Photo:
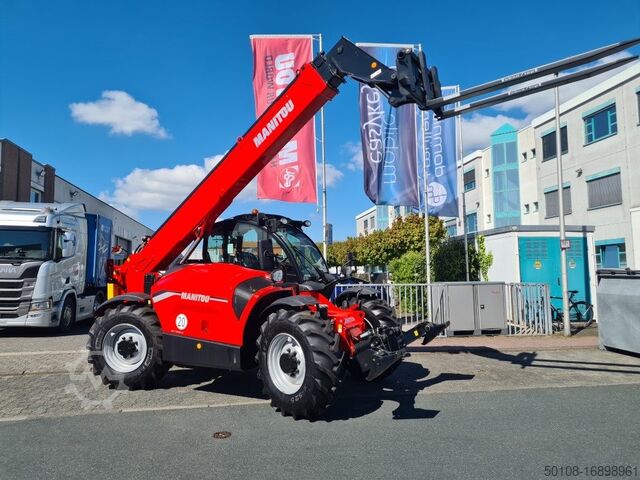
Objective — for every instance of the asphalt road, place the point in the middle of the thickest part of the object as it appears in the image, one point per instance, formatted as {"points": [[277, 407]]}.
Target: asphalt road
{"points": [[471, 414]]}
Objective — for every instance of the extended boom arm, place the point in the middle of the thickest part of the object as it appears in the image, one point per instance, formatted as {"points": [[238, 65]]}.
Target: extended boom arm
{"points": [[317, 83]]}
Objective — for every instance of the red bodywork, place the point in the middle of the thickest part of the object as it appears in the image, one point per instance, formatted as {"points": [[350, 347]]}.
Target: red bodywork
{"points": [[203, 295]]}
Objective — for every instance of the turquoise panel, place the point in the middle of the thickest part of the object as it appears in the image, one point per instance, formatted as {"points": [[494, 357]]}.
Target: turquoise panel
{"points": [[540, 263]]}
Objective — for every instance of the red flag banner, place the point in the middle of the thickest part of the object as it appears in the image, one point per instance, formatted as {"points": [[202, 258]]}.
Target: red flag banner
{"points": [[291, 175]]}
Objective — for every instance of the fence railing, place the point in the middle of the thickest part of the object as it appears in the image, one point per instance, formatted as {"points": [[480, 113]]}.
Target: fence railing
{"points": [[527, 307]]}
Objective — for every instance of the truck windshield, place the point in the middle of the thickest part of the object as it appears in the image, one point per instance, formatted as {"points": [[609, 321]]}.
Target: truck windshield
{"points": [[307, 254], [25, 244]]}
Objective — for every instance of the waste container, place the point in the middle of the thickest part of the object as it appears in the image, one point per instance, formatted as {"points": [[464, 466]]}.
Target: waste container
{"points": [[618, 306]]}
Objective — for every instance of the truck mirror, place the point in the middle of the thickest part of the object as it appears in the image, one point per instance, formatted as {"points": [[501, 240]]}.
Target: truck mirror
{"points": [[68, 244]]}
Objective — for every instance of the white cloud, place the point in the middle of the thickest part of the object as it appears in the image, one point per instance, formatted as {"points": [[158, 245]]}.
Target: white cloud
{"points": [[353, 150], [163, 189], [333, 174], [122, 113], [477, 129]]}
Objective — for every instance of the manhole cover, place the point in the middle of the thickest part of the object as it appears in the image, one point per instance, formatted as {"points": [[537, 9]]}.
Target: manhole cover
{"points": [[220, 435]]}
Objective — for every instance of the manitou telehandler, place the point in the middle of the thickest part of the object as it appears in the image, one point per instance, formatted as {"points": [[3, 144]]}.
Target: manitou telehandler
{"points": [[254, 290]]}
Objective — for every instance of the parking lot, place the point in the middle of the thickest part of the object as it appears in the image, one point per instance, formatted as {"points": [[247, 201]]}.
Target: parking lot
{"points": [[457, 412]]}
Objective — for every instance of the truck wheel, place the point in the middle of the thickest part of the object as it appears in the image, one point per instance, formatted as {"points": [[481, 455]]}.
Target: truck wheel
{"points": [[125, 348], [98, 300], [377, 313], [298, 363], [67, 314]]}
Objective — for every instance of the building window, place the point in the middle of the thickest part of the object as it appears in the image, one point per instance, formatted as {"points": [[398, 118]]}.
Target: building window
{"points": [[488, 218], [638, 102], [506, 183], [533, 153], [535, 206], [451, 230], [486, 173], [35, 196], [372, 222], [611, 255], [366, 224], [549, 144], [527, 208], [601, 124], [524, 156], [604, 191], [551, 202], [470, 180], [472, 223]]}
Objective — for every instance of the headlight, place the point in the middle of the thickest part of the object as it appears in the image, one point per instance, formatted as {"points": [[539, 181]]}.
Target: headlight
{"points": [[43, 305]]}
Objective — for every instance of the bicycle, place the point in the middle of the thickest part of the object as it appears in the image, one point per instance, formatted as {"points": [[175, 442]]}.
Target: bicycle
{"points": [[579, 311]]}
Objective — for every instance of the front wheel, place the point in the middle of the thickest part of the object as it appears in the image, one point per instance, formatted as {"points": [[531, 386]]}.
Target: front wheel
{"points": [[298, 363], [67, 315], [125, 347]]}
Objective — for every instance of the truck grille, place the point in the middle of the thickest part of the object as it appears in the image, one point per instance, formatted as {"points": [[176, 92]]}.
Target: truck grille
{"points": [[15, 297]]}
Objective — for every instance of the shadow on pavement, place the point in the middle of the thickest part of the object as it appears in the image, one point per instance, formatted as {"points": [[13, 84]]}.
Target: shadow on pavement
{"points": [[530, 359], [80, 328], [354, 399], [357, 399]]}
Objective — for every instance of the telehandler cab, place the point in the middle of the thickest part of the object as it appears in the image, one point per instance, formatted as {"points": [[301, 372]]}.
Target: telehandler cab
{"points": [[254, 290]]}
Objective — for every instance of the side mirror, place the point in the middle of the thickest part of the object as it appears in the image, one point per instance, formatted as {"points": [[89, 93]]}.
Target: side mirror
{"points": [[68, 244], [265, 254], [277, 275]]}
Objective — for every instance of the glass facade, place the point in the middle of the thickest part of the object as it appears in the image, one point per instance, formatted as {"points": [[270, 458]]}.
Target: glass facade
{"points": [[472, 222], [506, 178]]}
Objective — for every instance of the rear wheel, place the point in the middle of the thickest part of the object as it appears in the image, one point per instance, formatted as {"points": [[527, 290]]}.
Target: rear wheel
{"points": [[125, 347], [378, 316], [298, 362]]}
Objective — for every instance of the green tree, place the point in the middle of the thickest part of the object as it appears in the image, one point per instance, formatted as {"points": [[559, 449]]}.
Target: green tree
{"points": [[409, 268], [485, 259], [449, 262]]}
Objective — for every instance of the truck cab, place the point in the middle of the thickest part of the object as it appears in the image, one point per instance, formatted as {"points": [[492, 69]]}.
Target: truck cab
{"points": [[44, 279]]}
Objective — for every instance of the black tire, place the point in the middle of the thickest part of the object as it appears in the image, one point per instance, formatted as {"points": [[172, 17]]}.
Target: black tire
{"points": [[97, 301], [320, 345], [377, 313], [581, 312], [152, 369], [67, 314]]}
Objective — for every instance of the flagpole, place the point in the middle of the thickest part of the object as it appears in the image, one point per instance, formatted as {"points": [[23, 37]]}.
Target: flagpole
{"points": [[324, 173], [464, 198]]}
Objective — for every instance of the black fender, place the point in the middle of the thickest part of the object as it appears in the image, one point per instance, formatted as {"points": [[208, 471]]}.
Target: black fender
{"points": [[137, 298], [360, 292], [295, 302]]}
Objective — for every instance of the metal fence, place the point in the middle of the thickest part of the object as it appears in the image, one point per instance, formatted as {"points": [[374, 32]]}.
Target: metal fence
{"points": [[528, 309], [527, 306]]}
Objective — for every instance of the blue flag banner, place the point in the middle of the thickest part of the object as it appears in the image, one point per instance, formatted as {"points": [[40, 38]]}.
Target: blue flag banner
{"points": [[440, 144], [389, 142]]}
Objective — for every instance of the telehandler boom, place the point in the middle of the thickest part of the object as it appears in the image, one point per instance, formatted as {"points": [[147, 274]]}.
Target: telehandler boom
{"points": [[254, 290]]}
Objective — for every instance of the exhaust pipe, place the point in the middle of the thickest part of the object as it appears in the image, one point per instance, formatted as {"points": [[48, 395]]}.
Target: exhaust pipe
{"points": [[427, 330]]}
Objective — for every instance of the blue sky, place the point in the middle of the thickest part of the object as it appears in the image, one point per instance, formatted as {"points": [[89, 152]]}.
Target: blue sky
{"points": [[181, 73]]}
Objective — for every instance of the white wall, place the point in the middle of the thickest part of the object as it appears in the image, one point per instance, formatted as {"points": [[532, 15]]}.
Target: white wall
{"points": [[506, 260]]}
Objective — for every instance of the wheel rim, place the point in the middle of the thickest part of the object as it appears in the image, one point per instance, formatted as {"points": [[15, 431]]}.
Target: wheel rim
{"points": [[286, 363], [124, 348]]}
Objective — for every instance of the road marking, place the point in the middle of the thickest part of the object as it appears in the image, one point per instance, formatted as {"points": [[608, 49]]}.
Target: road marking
{"points": [[15, 419]]}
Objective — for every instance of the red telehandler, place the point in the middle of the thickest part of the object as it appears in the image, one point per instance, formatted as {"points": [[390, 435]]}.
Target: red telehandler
{"points": [[254, 290]]}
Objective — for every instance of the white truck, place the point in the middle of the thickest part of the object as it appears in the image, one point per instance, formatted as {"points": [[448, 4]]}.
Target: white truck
{"points": [[53, 260]]}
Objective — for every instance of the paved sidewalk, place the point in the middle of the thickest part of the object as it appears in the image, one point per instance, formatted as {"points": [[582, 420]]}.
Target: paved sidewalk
{"points": [[587, 338]]}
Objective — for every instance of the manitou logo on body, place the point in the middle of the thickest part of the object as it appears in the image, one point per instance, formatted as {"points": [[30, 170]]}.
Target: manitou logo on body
{"points": [[274, 123], [195, 297]]}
